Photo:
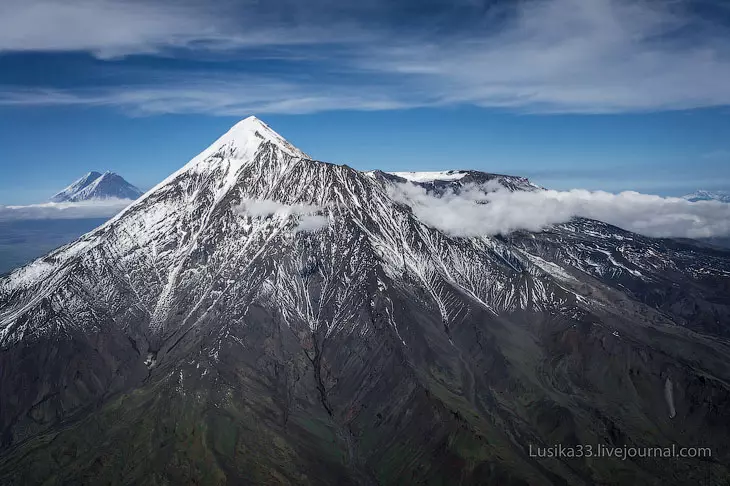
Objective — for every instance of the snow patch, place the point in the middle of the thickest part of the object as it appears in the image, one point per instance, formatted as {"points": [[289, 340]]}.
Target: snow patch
{"points": [[30, 273], [549, 267], [444, 175]]}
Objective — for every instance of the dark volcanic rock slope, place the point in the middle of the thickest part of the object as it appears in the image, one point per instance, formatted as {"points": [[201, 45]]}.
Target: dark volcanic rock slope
{"points": [[263, 318]]}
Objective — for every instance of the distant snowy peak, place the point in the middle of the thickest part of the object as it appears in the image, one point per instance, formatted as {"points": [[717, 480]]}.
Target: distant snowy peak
{"points": [[721, 196], [77, 186], [96, 186], [108, 186]]}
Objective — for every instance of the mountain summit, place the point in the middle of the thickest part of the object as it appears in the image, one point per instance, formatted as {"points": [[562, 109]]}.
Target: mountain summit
{"points": [[261, 317], [95, 186]]}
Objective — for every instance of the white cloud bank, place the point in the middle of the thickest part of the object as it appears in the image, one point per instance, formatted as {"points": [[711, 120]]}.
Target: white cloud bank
{"points": [[473, 213], [69, 210]]}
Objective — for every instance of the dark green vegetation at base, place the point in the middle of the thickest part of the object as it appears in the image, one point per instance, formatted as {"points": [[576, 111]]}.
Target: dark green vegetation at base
{"points": [[250, 412]]}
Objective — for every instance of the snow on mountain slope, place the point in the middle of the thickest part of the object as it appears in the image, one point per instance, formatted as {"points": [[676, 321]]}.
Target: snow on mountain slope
{"points": [[70, 192], [721, 196], [108, 186], [213, 294], [97, 186], [156, 239], [446, 175], [454, 179]]}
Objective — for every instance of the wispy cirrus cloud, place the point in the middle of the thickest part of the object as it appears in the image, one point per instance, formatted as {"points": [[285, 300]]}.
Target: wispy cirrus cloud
{"points": [[105, 28], [233, 96], [110, 29], [594, 56], [538, 56]]}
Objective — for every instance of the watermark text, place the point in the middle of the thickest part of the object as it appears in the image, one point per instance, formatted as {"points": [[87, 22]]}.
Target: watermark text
{"points": [[561, 451]]}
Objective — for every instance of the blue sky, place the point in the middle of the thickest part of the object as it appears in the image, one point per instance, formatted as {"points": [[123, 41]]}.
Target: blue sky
{"points": [[596, 94]]}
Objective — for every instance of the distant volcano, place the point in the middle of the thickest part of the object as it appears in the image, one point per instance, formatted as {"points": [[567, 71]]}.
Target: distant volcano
{"points": [[95, 185], [722, 196]]}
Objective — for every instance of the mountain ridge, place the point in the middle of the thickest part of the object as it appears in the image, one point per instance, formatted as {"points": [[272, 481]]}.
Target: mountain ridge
{"points": [[702, 195]]}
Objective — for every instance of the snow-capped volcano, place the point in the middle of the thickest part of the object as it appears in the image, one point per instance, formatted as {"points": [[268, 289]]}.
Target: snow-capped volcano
{"points": [[96, 186], [262, 317]]}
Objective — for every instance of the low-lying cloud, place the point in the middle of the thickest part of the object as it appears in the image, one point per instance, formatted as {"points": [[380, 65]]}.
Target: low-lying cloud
{"points": [[474, 213], [67, 210], [261, 208], [306, 214], [312, 223]]}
